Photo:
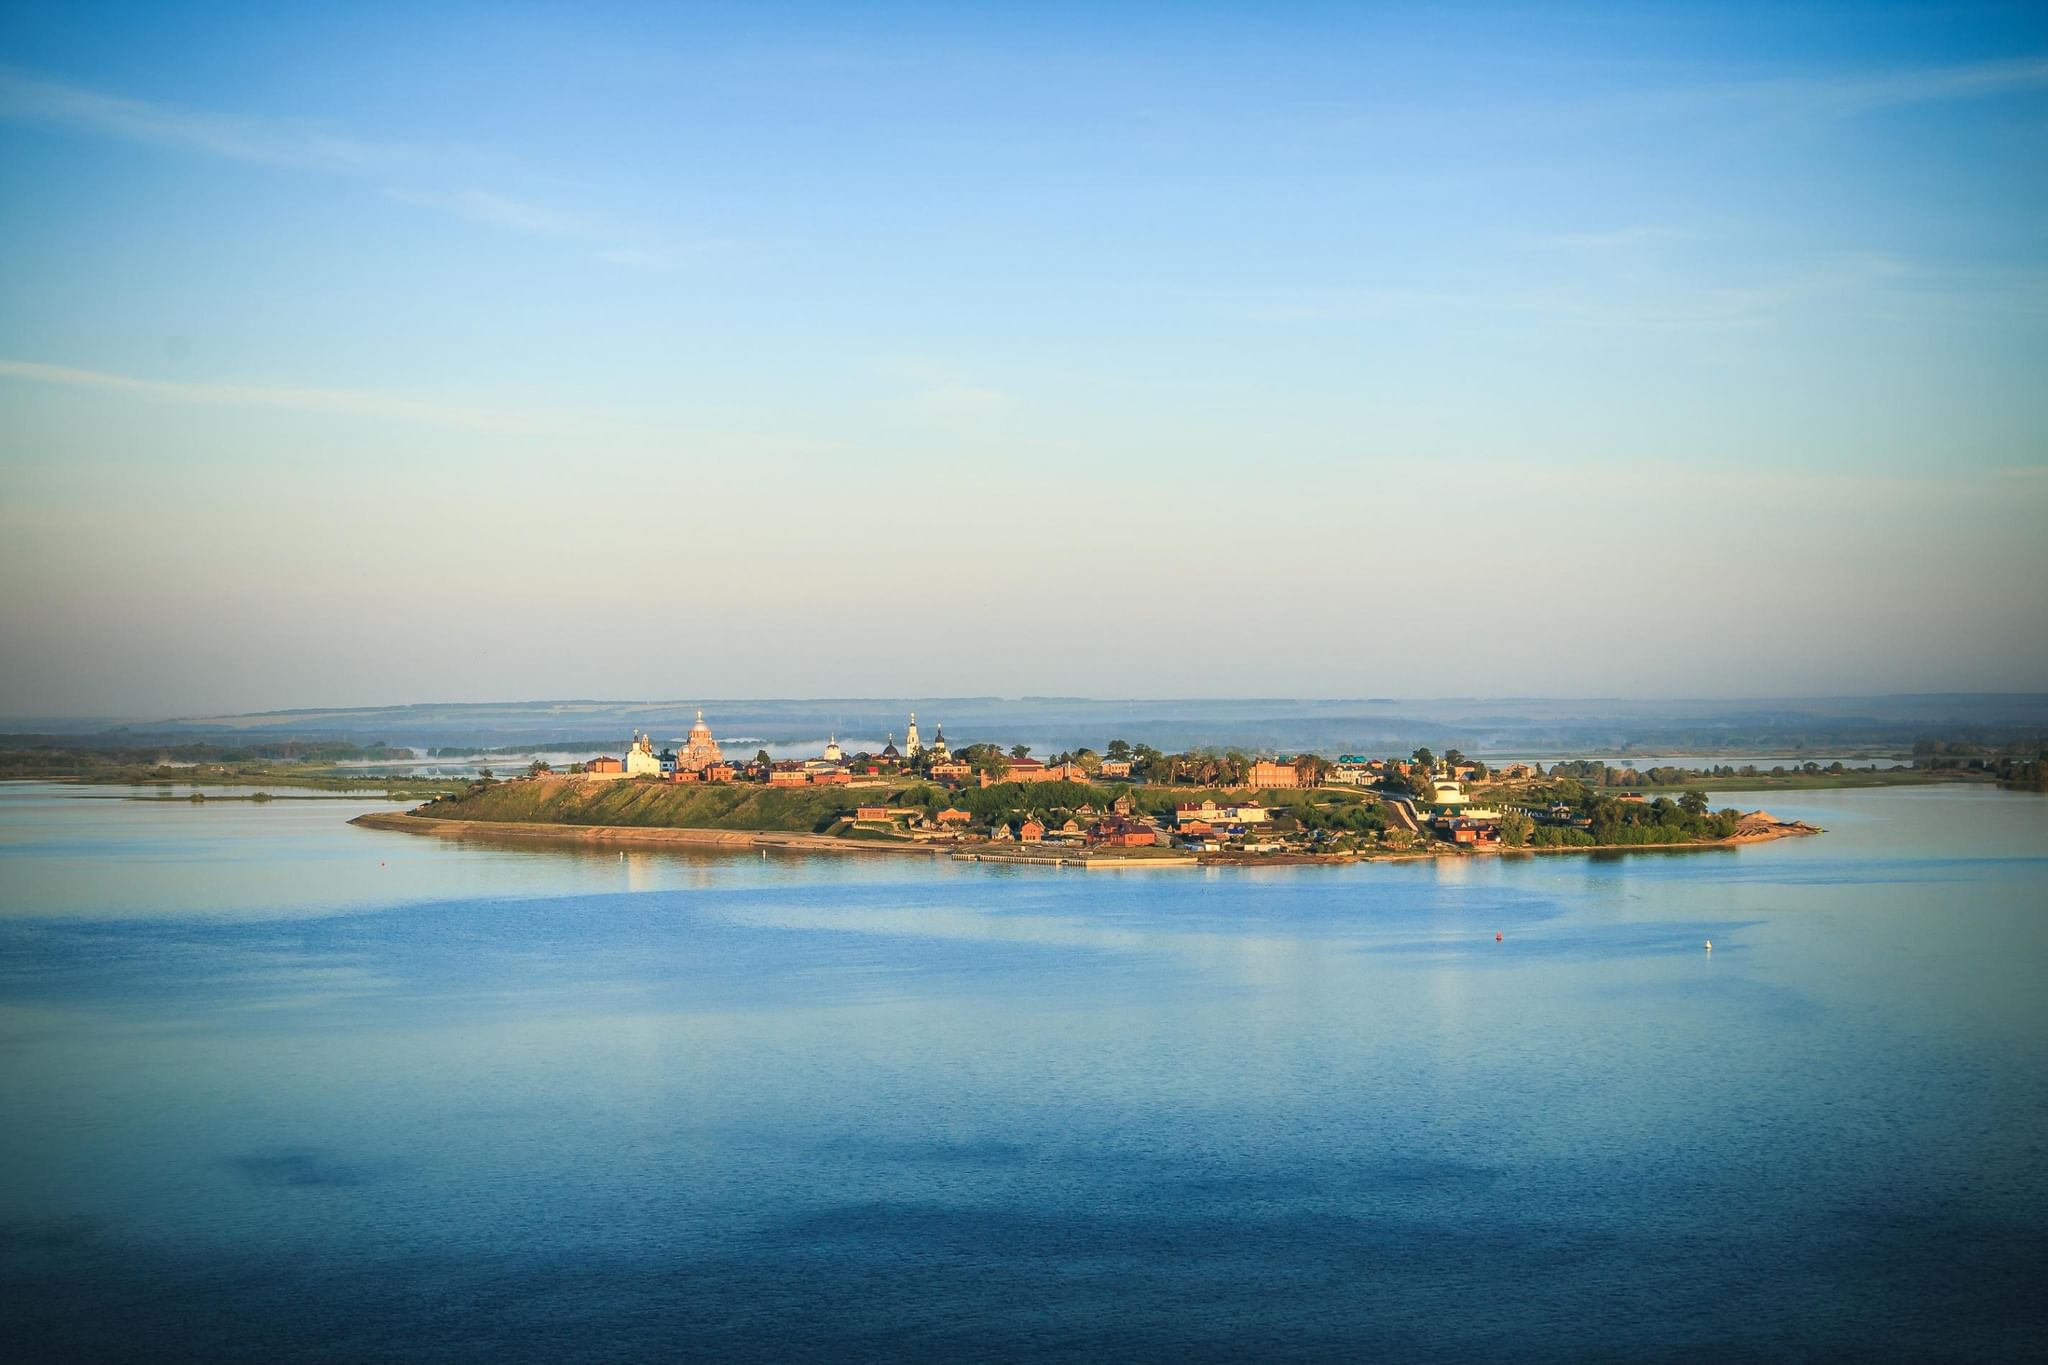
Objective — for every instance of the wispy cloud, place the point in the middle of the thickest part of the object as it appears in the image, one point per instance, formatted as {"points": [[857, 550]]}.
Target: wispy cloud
{"points": [[1664, 301], [1833, 95], [1859, 92], [499, 210], [1624, 97], [331, 402], [1683, 304], [1613, 240], [610, 241], [29, 99], [25, 98], [939, 389]]}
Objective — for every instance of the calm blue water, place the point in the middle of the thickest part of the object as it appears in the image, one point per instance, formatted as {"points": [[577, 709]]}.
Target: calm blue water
{"points": [[278, 1088]]}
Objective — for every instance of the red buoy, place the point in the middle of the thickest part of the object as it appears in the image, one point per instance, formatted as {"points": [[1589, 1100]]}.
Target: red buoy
{"points": [[1496, 936]]}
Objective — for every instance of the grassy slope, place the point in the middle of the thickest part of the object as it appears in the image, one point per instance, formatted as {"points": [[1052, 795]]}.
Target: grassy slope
{"points": [[749, 806], [661, 805]]}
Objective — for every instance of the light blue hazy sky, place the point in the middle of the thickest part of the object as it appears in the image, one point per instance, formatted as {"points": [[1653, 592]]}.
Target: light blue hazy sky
{"points": [[360, 355]]}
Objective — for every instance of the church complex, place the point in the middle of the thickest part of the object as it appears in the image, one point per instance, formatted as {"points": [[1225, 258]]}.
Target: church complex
{"points": [[701, 760]]}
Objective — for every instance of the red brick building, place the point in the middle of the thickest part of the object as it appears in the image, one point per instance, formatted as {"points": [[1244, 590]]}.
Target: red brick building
{"points": [[1031, 770], [1116, 832]]}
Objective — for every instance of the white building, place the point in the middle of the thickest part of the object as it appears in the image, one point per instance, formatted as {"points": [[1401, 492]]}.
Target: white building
{"points": [[641, 760], [1210, 813], [1450, 799]]}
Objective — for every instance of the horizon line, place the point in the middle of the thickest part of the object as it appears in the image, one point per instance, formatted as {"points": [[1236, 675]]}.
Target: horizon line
{"points": [[123, 721]]}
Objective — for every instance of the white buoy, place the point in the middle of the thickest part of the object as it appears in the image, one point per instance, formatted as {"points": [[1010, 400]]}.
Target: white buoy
{"points": [[1710, 945]]}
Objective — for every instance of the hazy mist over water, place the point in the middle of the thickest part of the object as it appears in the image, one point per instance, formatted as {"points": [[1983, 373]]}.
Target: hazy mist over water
{"points": [[1798, 728], [281, 1087]]}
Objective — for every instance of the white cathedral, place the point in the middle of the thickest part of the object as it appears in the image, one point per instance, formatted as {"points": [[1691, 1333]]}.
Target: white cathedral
{"points": [[913, 746]]}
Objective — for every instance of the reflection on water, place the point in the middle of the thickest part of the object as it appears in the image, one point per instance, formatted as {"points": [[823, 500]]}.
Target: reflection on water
{"points": [[278, 1087]]}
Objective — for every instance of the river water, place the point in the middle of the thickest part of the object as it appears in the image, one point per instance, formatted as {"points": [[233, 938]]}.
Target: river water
{"points": [[279, 1088]]}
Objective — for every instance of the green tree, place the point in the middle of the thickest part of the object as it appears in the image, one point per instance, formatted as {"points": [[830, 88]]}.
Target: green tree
{"points": [[985, 758], [537, 767], [1453, 757], [1020, 751], [1516, 827], [1148, 763], [1424, 760], [1313, 768], [1693, 803], [1603, 810]]}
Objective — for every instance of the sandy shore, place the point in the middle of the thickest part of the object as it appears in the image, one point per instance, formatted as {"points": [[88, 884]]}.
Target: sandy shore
{"points": [[738, 840], [632, 836]]}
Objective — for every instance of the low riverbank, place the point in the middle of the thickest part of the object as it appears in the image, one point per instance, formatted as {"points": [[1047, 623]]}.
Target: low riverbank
{"points": [[404, 822], [734, 840]]}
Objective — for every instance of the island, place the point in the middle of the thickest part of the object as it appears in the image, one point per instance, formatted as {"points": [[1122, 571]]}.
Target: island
{"points": [[1126, 806]]}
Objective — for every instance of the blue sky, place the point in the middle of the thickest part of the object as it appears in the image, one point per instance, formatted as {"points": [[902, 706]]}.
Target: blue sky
{"points": [[399, 355]]}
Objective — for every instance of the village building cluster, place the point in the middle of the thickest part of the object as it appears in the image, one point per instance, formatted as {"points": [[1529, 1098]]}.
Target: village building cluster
{"points": [[1438, 802], [700, 760]]}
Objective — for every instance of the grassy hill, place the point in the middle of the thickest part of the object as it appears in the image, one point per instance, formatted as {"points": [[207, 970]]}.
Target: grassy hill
{"points": [[661, 804], [750, 806]]}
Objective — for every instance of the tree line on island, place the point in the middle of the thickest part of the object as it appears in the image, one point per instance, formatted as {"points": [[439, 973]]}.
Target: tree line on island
{"points": [[1558, 810]]}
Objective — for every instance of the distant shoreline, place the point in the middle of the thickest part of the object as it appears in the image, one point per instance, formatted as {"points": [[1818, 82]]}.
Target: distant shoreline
{"points": [[743, 840]]}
